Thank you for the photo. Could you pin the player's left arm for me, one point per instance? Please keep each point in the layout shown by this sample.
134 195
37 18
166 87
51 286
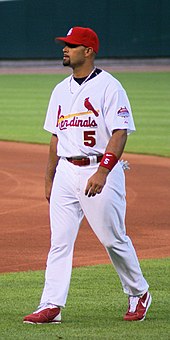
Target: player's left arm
115 146
52 162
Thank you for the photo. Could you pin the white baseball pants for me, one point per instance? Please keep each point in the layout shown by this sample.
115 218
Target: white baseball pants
105 213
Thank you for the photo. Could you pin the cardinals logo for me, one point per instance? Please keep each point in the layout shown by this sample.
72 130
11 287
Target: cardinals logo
75 119
90 107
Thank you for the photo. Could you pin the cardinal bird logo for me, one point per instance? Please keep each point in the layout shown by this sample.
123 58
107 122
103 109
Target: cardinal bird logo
90 107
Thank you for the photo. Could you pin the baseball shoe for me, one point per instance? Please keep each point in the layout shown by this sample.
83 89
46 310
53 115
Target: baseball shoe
138 307
47 315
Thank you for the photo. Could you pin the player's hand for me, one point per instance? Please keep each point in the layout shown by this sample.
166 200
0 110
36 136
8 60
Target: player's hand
96 182
48 187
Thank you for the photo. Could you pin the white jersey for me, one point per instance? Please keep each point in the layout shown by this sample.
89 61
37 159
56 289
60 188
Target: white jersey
84 116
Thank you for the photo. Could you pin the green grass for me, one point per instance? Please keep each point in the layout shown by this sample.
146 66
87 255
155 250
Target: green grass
149 94
94 308
24 100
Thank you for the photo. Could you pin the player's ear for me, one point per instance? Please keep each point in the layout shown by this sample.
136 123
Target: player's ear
89 51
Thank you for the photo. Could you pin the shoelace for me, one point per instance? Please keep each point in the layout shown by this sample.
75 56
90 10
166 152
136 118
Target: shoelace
133 301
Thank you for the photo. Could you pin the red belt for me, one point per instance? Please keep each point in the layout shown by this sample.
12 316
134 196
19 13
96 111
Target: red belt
82 161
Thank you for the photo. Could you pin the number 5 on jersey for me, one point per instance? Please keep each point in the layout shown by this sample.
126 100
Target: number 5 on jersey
89 138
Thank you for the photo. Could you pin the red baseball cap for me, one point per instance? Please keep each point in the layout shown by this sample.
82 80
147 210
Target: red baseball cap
81 36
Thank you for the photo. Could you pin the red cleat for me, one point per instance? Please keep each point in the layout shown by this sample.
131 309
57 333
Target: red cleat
138 307
48 315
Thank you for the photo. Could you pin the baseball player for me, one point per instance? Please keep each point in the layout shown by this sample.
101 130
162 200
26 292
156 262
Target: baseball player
89 117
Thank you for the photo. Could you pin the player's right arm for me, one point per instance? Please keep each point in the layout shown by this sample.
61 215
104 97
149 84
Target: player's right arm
51 166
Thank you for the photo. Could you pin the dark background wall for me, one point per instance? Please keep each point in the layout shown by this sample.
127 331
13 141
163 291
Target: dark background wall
126 28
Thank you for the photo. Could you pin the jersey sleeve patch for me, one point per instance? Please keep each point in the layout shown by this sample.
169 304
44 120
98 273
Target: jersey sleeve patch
123 112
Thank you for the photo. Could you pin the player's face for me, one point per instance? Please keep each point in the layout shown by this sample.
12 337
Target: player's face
74 56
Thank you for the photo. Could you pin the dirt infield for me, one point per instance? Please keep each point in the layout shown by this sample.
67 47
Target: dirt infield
110 65
25 233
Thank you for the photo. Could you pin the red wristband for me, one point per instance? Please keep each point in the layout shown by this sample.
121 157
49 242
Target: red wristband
109 160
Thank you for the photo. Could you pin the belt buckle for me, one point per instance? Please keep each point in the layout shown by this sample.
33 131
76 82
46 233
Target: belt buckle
93 159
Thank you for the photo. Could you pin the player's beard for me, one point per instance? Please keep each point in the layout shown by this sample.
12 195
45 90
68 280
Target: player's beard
66 62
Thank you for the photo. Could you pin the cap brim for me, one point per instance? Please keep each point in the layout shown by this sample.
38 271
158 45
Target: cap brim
67 40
